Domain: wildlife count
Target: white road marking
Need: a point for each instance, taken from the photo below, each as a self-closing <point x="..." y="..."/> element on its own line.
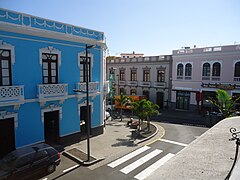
<point x="128" y="156"/>
<point x="44" y="179"/>
<point x="142" y="175"/>
<point x="173" y="142"/>
<point x="69" y="169"/>
<point x="140" y="161"/>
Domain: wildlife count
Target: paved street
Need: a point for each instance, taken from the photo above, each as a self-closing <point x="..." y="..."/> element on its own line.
<point x="141" y="161"/>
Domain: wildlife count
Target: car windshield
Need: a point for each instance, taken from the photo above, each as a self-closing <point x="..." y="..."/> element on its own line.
<point x="7" y="161"/>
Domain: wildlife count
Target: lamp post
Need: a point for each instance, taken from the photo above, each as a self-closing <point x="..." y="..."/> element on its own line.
<point x="87" y="99"/>
<point x="118" y="84"/>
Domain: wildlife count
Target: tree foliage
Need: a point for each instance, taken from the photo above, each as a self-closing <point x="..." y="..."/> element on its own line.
<point x="122" y="101"/>
<point x="224" y="102"/>
<point x="144" y="110"/>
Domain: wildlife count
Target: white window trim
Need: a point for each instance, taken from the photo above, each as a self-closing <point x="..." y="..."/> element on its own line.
<point x="84" y="104"/>
<point x="83" y="53"/>
<point x="50" y="108"/>
<point x="235" y="62"/>
<point x="50" y="50"/>
<point x="6" y="46"/>
<point x="6" y="115"/>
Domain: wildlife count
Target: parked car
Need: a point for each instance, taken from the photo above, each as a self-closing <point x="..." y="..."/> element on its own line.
<point x="27" y="160"/>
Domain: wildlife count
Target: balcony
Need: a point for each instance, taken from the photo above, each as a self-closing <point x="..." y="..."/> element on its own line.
<point x="205" y="77"/>
<point x="188" y="77"/>
<point x="92" y="87"/>
<point x="11" y="95"/>
<point x="132" y="83"/>
<point x="49" y="92"/>
<point x="122" y="83"/>
<point x="159" y="84"/>
<point x="215" y="78"/>
<point x="179" y="77"/>
<point x="145" y="83"/>
<point x="236" y="79"/>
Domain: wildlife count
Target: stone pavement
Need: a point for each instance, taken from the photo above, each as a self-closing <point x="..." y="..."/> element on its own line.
<point x="114" y="142"/>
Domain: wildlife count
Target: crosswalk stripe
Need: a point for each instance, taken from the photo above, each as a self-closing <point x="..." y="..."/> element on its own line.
<point x="173" y="142"/>
<point x="129" y="156"/>
<point x="140" y="161"/>
<point x="142" y="175"/>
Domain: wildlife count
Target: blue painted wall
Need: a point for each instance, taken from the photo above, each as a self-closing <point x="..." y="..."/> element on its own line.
<point x="27" y="71"/>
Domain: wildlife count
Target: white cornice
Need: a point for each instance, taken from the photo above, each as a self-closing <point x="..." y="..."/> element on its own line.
<point x="48" y="34"/>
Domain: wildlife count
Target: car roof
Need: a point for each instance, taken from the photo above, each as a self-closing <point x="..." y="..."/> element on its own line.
<point x="29" y="149"/>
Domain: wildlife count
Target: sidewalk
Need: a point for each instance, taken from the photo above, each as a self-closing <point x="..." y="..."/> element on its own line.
<point x="113" y="143"/>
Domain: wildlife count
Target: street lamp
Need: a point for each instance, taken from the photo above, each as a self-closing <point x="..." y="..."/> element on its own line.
<point x="87" y="99"/>
<point x="118" y="90"/>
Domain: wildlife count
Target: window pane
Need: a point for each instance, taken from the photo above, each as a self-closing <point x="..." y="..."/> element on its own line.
<point x="237" y="70"/>
<point x="4" y="63"/>
<point x="53" y="79"/>
<point x="45" y="72"/>
<point x="53" y="72"/>
<point x="54" y="57"/>
<point x="45" y="80"/>
<point x="45" y="65"/>
<point x="5" y="54"/>
<point x="53" y="65"/>
<point x="44" y="56"/>
<point x="5" y="72"/>
<point x="5" y="81"/>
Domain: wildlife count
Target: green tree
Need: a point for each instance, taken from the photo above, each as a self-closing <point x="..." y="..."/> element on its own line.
<point x="122" y="101"/>
<point x="224" y="102"/>
<point x="144" y="109"/>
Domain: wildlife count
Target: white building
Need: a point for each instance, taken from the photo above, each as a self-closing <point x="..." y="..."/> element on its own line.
<point x="138" y="75"/>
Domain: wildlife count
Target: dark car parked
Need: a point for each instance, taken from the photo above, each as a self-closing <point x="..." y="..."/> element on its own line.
<point x="27" y="160"/>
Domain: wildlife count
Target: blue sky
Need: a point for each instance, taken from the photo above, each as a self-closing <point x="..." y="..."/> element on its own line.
<point x="152" y="27"/>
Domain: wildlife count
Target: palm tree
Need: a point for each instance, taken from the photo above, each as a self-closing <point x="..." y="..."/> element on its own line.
<point x="122" y="101"/>
<point x="224" y="102"/>
<point x="144" y="109"/>
<point x="150" y="109"/>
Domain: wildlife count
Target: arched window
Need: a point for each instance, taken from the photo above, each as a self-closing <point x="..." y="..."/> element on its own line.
<point x="237" y="70"/>
<point x="133" y="92"/>
<point x="206" y="69"/>
<point x="216" y="69"/>
<point x="146" y="93"/>
<point x="188" y="70"/>
<point x="179" y="71"/>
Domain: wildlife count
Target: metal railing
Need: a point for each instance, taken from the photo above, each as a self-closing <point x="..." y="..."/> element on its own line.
<point x="235" y="137"/>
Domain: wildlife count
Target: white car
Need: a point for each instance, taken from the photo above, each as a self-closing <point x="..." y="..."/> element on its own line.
<point x="110" y="107"/>
<point x="107" y="115"/>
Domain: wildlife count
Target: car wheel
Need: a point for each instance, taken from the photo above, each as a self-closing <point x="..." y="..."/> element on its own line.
<point x="51" y="168"/>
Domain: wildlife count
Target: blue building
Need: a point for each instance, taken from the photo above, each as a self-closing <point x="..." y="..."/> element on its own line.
<point x="42" y="62"/>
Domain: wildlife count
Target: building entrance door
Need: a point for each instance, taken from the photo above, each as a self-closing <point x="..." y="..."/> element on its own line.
<point x="51" y="127"/>
<point x="183" y="100"/>
<point x="7" y="136"/>
<point x="83" y="119"/>
<point x="160" y="99"/>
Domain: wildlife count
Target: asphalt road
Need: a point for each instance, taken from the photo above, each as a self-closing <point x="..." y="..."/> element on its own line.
<point x="136" y="165"/>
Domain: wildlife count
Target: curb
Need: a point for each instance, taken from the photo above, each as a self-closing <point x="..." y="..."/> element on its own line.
<point x="80" y="161"/>
<point x="149" y="137"/>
